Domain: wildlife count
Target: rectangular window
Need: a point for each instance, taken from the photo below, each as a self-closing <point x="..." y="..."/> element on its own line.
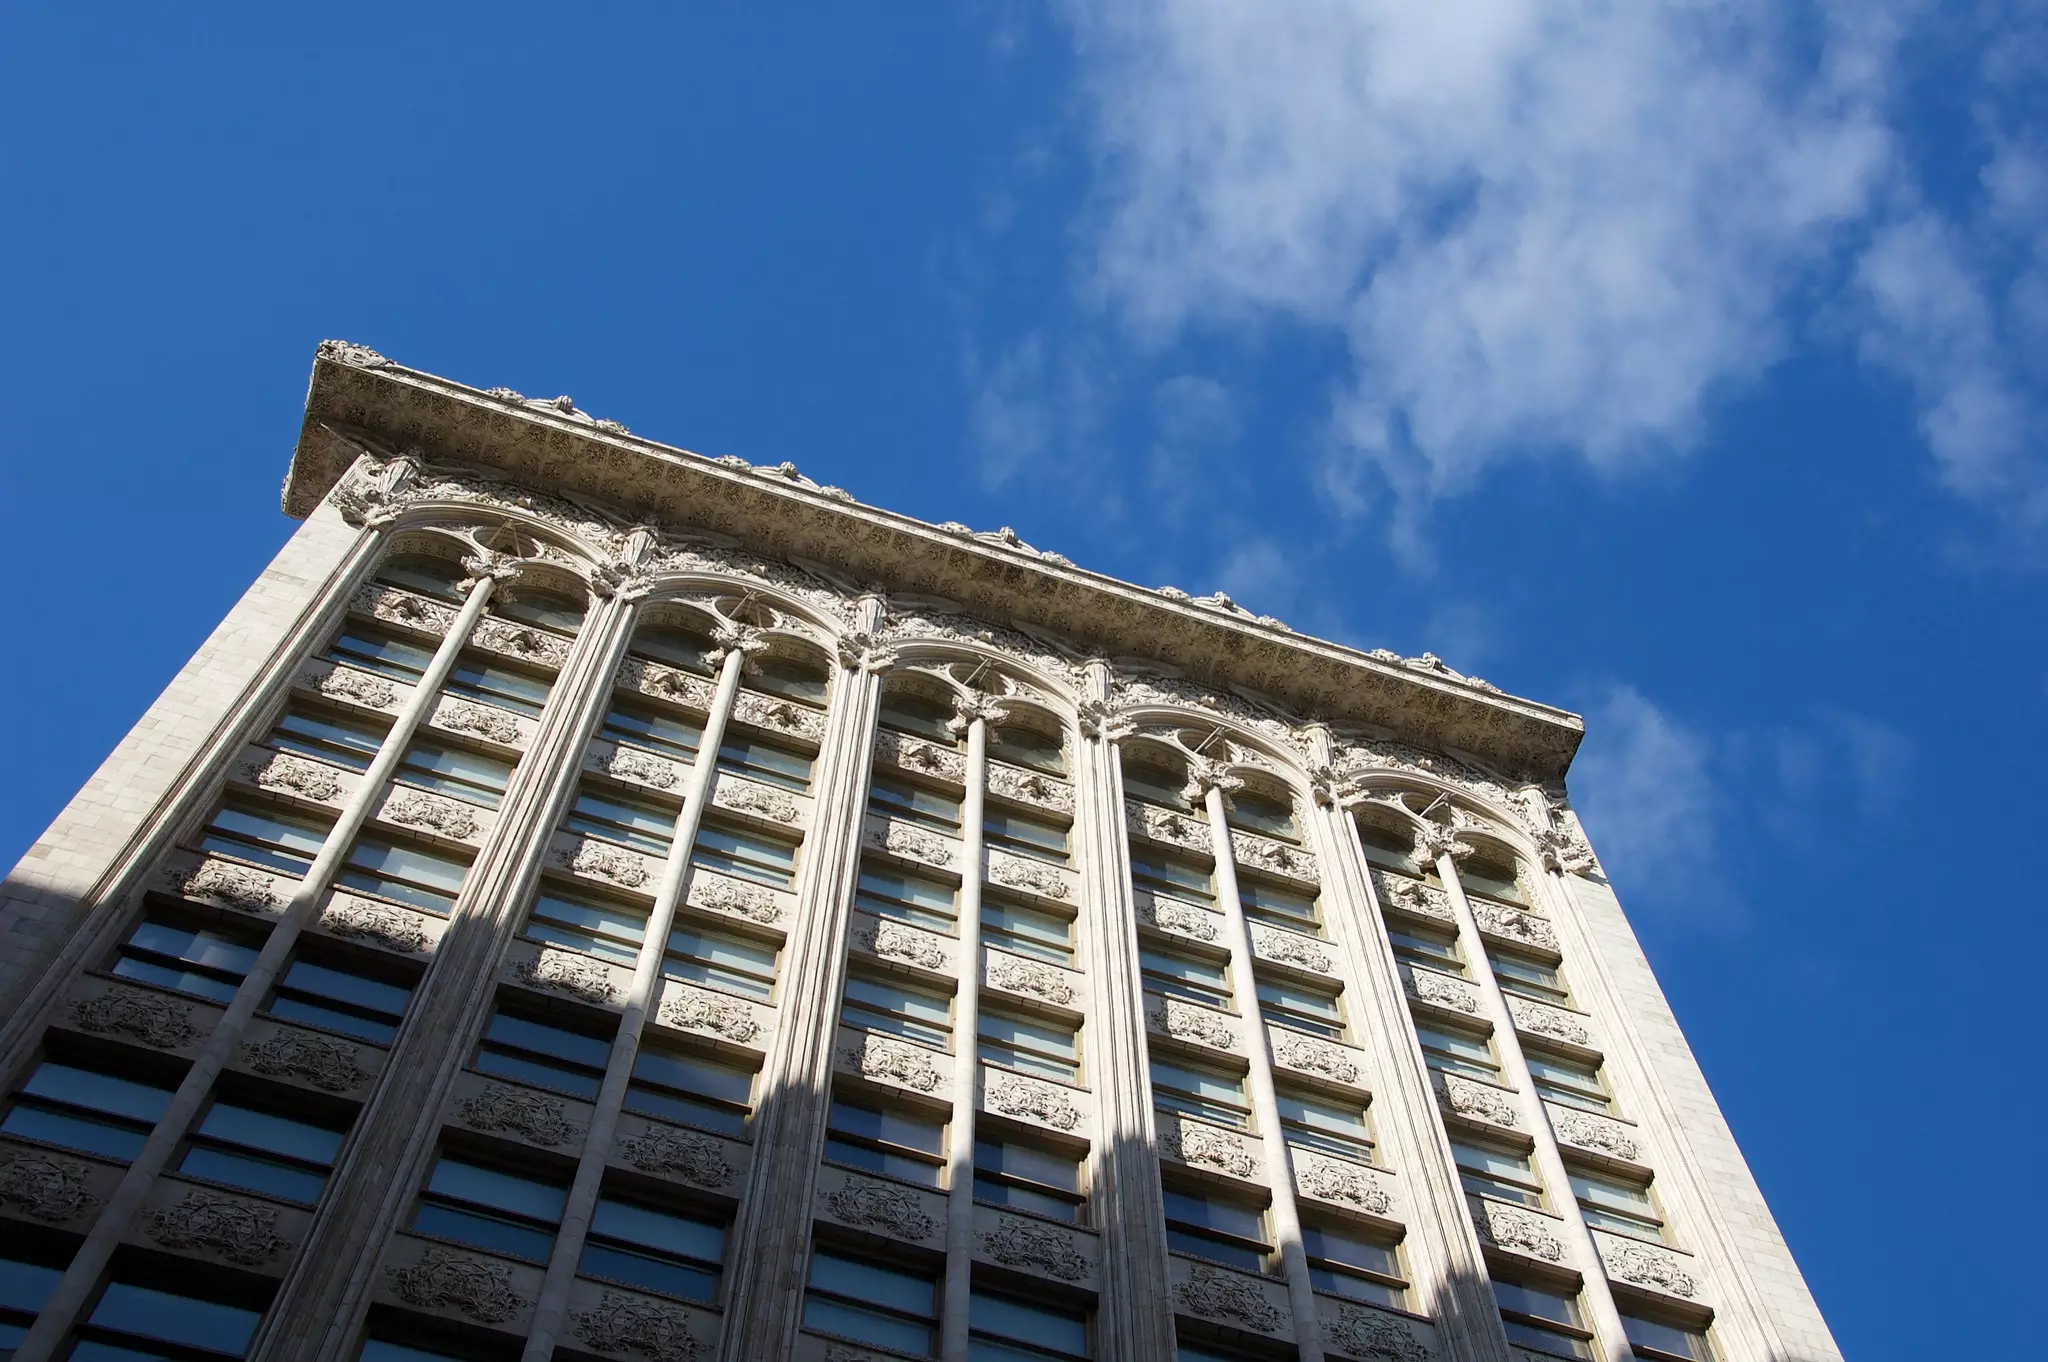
<point x="1528" y="976"/>
<point x="190" y="959"/>
<point x="657" y="1250"/>
<point x="928" y="719"/>
<point x="1033" y="1047"/>
<point x="1570" y="1082"/>
<point x="131" y="1321"/>
<point x="1542" y="1320"/>
<point x="1020" y="930"/>
<point x="1211" y="1225"/>
<point x="614" y="816"/>
<point x="1033" y="837"/>
<point x="1005" y="1329"/>
<point x="254" y="832"/>
<point x="915" y="804"/>
<point x="427" y="880"/>
<point x="1172" y="877"/>
<point x="898" y="1143"/>
<point x="746" y="856"/>
<point x="1432" y="950"/>
<point x="770" y="763"/>
<point x="1394" y="850"/>
<point x="908" y="898"/>
<point x="1023" y="747"/>
<point x="1496" y="1171"/>
<point x="913" y="1013"/>
<point x="94" y="1110"/>
<point x="457" y="772"/>
<point x="541" y="1053"/>
<point x="503" y="1212"/>
<point x="1027" y="1178"/>
<point x="261" y="1151"/>
<point x="1344" y="1262"/>
<point x="721" y="960"/>
<point x="582" y="922"/>
<point x="679" y="1086"/>
<point x="861" y="1300"/>
<point x="377" y="650"/>
<point x="1660" y="1340"/>
<point x="1301" y="1008"/>
<point x="1333" y="1126"/>
<point x="1184" y="976"/>
<point x="348" y="741"/>
<point x="25" y="1287"/>
<point x="665" y="734"/>
<point x="505" y="687"/>
<point x="1612" y="1204"/>
<point x="1209" y="1093"/>
<point x="326" y="993"/>
<point x="1282" y="907"/>
<point x="1460" y="1052"/>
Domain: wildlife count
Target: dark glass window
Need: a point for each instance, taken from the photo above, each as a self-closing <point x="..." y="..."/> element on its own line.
<point x="371" y="649"/>
<point x="788" y="680"/>
<point x="96" y="1110"/>
<point x="921" y="717"/>
<point x="721" y="960"/>
<point x="1025" y="930"/>
<point x="1301" y="1008"/>
<point x="1616" y="1204"/>
<point x="331" y="994"/>
<point x="659" y="1250"/>
<point x="1212" y="1225"/>
<point x="255" y="832"/>
<point x="899" y="1143"/>
<point x="1570" y="1082"/>
<point x="1209" y="1093"/>
<point x="494" y="684"/>
<point x="191" y="959"/>
<point x="915" y="804"/>
<point x="745" y="855"/>
<point x="1027" y="747"/>
<point x="1044" y="1048"/>
<point x="25" y="1286"/>
<point x="1528" y="976"/>
<point x="915" y="899"/>
<point x="602" y="811"/>
<point x="884" y="1005"/>
<point x="1171" y="877"/>
<point x="261" y="1151"/>
<point x="430" y="576"/>
<point x="1496" y="1171"/>
<point x="132" y="1321"/>
<point x="427" y="880"/>
<point x="1392" y="849"/>
<point x="547" y="609"/>
<point x="678" y="648"/>
<point x="1660" y="1339"/>
<point x="1283" y="907"/>
<point x="1333" y="1125"/>
<point x="859" y="1299"/>
<point x="678" y="1086"/>
<point x="349" y="740"/>
<point x="1026" y="1177"/>
<point x="669" y="735"/>
<point x="1157" y="783"/>
<point x="504" y="1212"/>
<point x="1005" y="1329"/>
<point x="1417" y="945"/>
<point x="1267" y="817"/>
<point x="1543" y="1320"/>
<point x="1448" y="1050"/>
<point x="1347" y="1263"/>
<point x="455" y="771"/>
<point x="543" y="1053"/>
<point x="584" y="922"/>
<point x="770" y="763"/>
<point x="1025" y="836"/>
<point x="1184" y="976"/>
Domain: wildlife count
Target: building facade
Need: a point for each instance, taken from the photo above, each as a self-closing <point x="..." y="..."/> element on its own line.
<point x="591" y="900"/>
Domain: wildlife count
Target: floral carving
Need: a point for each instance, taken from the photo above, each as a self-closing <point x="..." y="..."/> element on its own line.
<point x="900" y="943"/>
<point x="1276" y="857"/>
<point x="750" y="798"/>
<point x="351" y="354"/>
<point x="861" y="651"/>
<point x="784" y="716"/>
<point x="901" y="839"/>
<point x="47" y="1187"/>
<point x="1291" y="948"/>
<point x="566" y="973"/>
<point x="1373" y="1337"/>
<point x="1225" y="1295"/>
<point x="305" y="778"/>
<point x="1308" y="1055"/>
<point x="693" y="1009"/>
<point x="1030" y="787"/>
<point x="154" y="1020"/>
<point x="1022" y="976"/>
<point x="744" y="899"/>
<point x="860" y="1202"/>
<point x="1178" y="918"/>
<point x="479" y="1289"/>
<point x="916" y="755"/>
<point x="1646" y="1266"/>
<point x="1014" y="1096"/>
<point x="1541" y="1019"/>
<point x="463" y="717"/>
<point x="1184" y="1021"/>
<point x="909" y="1065"/>
<point x="1511" y="1227"/>
<point x="651" y="678"/>
<point x="1413" y="896"/>
<point x="691" y="1157"/>
<point x="1564" y="852"/>
<point x="1334" y="1180"/>
<point x="1026" y="1243"/>
<point x="603" y="861"/>
<point x="1101" y="719"/>
<point x="629" y="763"/>
<point x="402" y="607"/>
<point x="372" y="692"/>
<point x="1165" y="825"/>
<point x="240" y="1231"/>
<point x="1516" y="924"/>
<point x="320" y="1060"/>
<point x="622" y="1323"/>
<point x="231" y="884"/>
<point x="1468" y="1098"/>
<point x="1018" y="874"/>
<point x="1587" y="1131"/>
<point x="1431" y="987"/>
<point x="391" y="928"/>
<point x="1201" y="1146"/>
<point x="535" y="645"/>
<point x="1206" y="774"/>
<point x="520" y="1111"/>
<point x="423" y="811"/>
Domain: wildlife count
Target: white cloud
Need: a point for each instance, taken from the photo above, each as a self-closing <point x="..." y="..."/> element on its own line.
<point x="1642" y="786"/>
<point x="1036" y="402"/>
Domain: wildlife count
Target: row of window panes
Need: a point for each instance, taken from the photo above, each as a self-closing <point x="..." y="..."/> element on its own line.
<point x="678" y="738"/>
<point x="897" y="1308"/>
<point x="288" y="842"/>
<point x="1553" y="1324"/>
<point x="782" y="677"/>
<point x="1003" y="828"/>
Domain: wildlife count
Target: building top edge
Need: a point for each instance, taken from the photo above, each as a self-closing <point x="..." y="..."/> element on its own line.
<point x="552" y="446"/>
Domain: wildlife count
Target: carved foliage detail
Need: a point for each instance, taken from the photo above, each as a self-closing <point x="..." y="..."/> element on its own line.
<point x="630" y="1324"/>
<point x="900" y="943"/>
<point x="389" y="927"/>
<point x="1373" y="1337"/>
<point x="1022" y="976"/>
<point x="240" y="1231"/>
<point x="231" y="884"/>
<point x="1413" y="896"/>
<point x="306" y="778"/>
<point x="1511" y="1227"/>
<point x="1200" y="1146"/>
<point x="1177" y="918"/>
<point x="1277" y="857"/>
<point x="1018" y="874"/>
<point x="1030" y="787"/>
<point x="1309" y="1055"/>
<point x="756" y="799"/>
<point x="479" y="1289"/>
<point x="1164" y="825"/>
<point x="47" y="1187"/>
<point x="1646" y="1266"/>
<point x="1026" y="1243"/>
<point x="321" y="1060"/>
<point x="163" y="1022"/>
<point x="1335" y="1180"/>
<point x="744" y="899"/>
<point x="538" y="1117"/>
<point x="1431" y="987"/>
<point x="901" y="839"/>
<point x="1540" y="1019"/>
<point x="1291" y="948"/>
<point x="632" y="764"/>
<point x="691" y="1157"/>
<point x="1184" y="1021"/>
<point x="909" y="1065"/>
<point x="414" y="810"/>
<point x="1587" y="1131"/>
<point x="892" y="1209"/>
<point x="464" y="717"/>
<point x="1477" y="1100"/>
<point x="693" y="1009"/>
<point x="564" y="972"/>
<point x="1225" y="1295"/>
<point x="603" y="861"/>
<point x="1516" y="924"/>
<point x="1014" y="1096"/>
<point x="372" y="692"/>
<point x="917" y="755"/>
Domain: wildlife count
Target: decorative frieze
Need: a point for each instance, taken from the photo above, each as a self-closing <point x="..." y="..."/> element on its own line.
<point x="620" y="1323"/>
<point x="910" y="842"/>
<point x="893" y="1210"/>
<point x="1590" y="1131"/>
<point x="528" y="644"/>
<point x="1029" y="978"/>
<point x="926" y="758"/>
<point x="1513" y="924"/>
<point x="1402" y="894"/>
<point x="1204" y="1146"/>
<point x="375" y="923"/>
<point x="566" y="972"/>
<point x="641" y="768"/>
<point x="744" y="796"/>
<point x="1034" y="1245"/>
<point x="1367" y="1335"/>
<point x="1290" y="948"/>
<point x="412" y="809"/>
<point x="893" y="941"/>
<point x="1541" y="1019"/>
<point x="1441" y="990"/>
<point x="1014" y="872"/>
<point x="238" y="886"/>
<point x="893" y="1061"/>
<point x="1640" y="1264"/>
<point x="358" y="688"/>
<point x="1275" y="858"/>
<point x="1306" y="1054"/>
<point x="603" y="861"/>
<point x="1511" y="1227"/>
<point x="1215" y="1293"/>
<point x="779" y="716"/>
<point x="1342" y="1182"/>
<point x="46" y="1186"/>
<point x="152" y="1018"/>
<point x="463" y="716"/>
<point x="1185" y="1021"/>
<point x="694" y="1158"/>
<point x="718" y="894"/>
<point x="1165" y="825"/>
<point x="240" y="1231"/>
<point x="294" y="775"/>
<point x="402" y="608"/>
<point x="1030" y="787"/>
<point x="1009" y="1094"/>
<point x="666" y="683"/>
<point x="688" y="1008"/>
<point x="325" y="1062"/>
<point x="531" y="1115"/>
<point x="1180" y="919"/>
<point x="474" y="1286"/>
<point x="1478" y="1101"/>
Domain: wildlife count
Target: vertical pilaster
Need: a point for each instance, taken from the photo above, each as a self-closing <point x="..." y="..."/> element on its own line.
<point x="61" y="1310"/>
<point x="966" y="1065"/>
<point x="1301" y="1294"/>
<point x="1134" y="1323"/>
<point x="770" y="1242"/>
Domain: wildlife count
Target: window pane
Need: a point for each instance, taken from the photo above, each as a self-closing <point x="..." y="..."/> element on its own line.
<point x="99" y="1091"/>
<point x="485" y="1231"/>
<point x="1216" y="1213"/>
<point x="1268" y="816"/>
<point x="748" y="857"/>
<point x="177" y="1319"/>
<point x="674" y="647"/>
<point x="376" y="651"/>
<point x="263" y="1130"/>
<point x="1024" y="1161"/>
<point x="501" y="1191"/>
<point x="349" y="742"/>
<point x="764" y="761"/>
<point x="790" y="680"/>
<point x="694" y="1075"/>
<point x="199" y="947"/>
<point x="1669" y="1338"/>
<point x="687" y="1280"/>
<point x="1006" y="1317"/>
<point x="25" y="1286"/>
<point x="662" y="1230"/>
<point x="865" y="1326"/>
<point x="427" y="575"/>
<point x="638" y="823"/>
<point x="669" y="735"/>
<point x="915" y="714"/>
<point x="267" y="1176"/>
<point x="1024" y="747"/>
<point x="862" y="1280"/>
<point x="575" y="1046"/>
<point x="914" y="802"/>
<point x="892" y="1127"/>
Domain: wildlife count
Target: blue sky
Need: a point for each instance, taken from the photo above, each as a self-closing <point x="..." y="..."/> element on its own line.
<point x="1684" y="368"/>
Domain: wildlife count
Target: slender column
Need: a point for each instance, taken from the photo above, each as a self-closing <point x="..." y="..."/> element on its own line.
<point x="640" y="996"/>
<point x="79" y="1280"/>
<point x="966" y="1067"/>
<point x="769" y="1248"/>
<point x="1443" y="1249"/>
<point x="319" y="1307"/>
<point x="1612" y="1339"/>
<point x="1133" y="1317"/>
<point x="1308" y="1336"/>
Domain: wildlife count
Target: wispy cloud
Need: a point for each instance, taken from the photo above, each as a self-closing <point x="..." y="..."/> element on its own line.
<point x="1644" y="788"/>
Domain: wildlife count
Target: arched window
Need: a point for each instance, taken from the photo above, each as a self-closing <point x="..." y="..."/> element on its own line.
<point x="535" y="605"/>
<point x="909" y="711"/>
<point x="674" y="646"/>
<point x="1021" y="746"/>
<point x="1390" y="845"/>
<point x="440" y="578"/>
<point x="1264" y="814"/>
<point x="789" y="678"/>
<point x="1153" y="775"/>
<point x="1492" y="878"/>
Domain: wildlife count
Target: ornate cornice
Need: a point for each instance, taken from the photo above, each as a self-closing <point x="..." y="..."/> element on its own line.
<point x="559" y="451"/>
